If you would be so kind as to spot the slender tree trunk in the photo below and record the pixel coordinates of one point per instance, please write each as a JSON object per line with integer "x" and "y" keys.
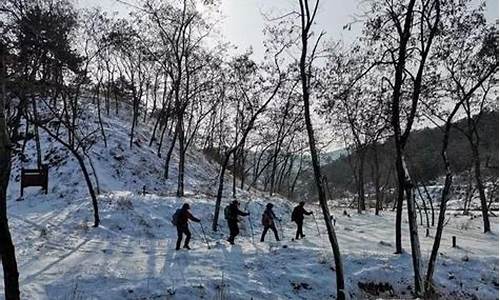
{"x": 243, "y": 170}
{"x": 429, "y": 288}
{"x": 468, "y": 194}
{"x": 299, "y": 171}
{"x": 419, "y": 210}
{"x": 361, "y": 180}
{"x": 412, "y": 222}
{"x": 108, "y": 88}
{"x": 376, "y": 179}
{"x": 431, "y": 204}
{"x": 399, "y": 216}
{"x": 162, "y": 113}
{"x": 307, "y": 21}
{"x": 165, "y": 125}
{"x": 424, "y": 205}
{"x": 83, "y": 168}
{"x": 103, "y": 133}
{"x": 220, "y": 190}
{"x": 169, "y": 153}
{"x": 480, "y": 187}
{"x": 180, "y": 177}
{"x": 134, "y": 118}
{"x": 235, "y": 171}
{"x": 90, "y": 187}
{"x": 37, "y": 135}
{"x": 7, "y": 250}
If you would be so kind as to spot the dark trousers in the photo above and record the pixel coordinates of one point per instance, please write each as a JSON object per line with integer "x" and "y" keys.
{"x": 183, "y": 229}
{"x": 299, "y": 233}
{"x": 266, "y": 228}
{"x": 233, "y": 230}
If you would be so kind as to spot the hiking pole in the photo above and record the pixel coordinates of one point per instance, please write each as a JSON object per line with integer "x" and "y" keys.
{"x": 317, "y": 226}
{"x": 204, "y": 235}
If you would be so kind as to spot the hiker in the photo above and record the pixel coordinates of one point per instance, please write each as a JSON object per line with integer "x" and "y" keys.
{"x": 180, "y": 220}
{"x": 231, "y": 213}
{"x": 268, "y": 218}
{"x": 298, "y": 217}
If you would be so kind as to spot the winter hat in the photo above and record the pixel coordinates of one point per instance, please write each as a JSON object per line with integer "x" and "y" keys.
{"x": 269, "y": 205}
{"x": 186, "y": 206}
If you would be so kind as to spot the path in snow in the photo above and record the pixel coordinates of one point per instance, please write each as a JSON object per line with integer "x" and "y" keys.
{"x": 131, "y": 255}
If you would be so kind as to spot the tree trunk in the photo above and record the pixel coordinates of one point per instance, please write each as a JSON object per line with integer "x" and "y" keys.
{"x": 419, "y": 210}
{"x": 361, "y": 180}
{"x": 220, "y": 189}
{"x": 429, "y": 290}
{"x": 7, "y": 250}
{"x": 90, "y": 187}
{"x": 412, "y": 222}
{"x": 235, "y": 171}
{"x": 169, "y": 153}
{"x": 468, "y": 194}
{"x": 180, "y": 177}
{"x": 480, "y": 187}
{"x": 399, "y": 216}
{"x": 103, "y": 133}
{"x": 376, "y": 179}
{"x": 37, "y": 135}
{"x": 134, "y": 117}
{"x": 162, "y": 113}
{"x": 424, "y": 205}
{"x": 306, "y": 86}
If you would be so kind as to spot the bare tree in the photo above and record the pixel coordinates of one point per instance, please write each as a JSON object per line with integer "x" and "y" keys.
{"x": 469, "y": 55}
{"x": 7, "y": 250}
{"x": 307, "y": 16}
{"x": 247, "y": 85}
{"x": 405, "y": 32}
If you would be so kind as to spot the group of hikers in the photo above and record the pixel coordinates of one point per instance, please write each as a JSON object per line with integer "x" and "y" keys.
{"x": 232, "y": 213}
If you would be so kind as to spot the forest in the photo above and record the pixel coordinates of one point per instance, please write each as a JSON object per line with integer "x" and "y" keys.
{"x": 122, "y": 133}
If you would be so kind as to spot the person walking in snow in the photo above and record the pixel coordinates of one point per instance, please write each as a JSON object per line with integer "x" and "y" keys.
{"x": 268, "y": 218}
{"x": 298, "y": 217}
{"x": 231, "y": 213}
{"x": 180, "y": 220}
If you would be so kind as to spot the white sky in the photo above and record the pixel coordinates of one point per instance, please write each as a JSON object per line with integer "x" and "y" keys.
{"x": 243, "y": 21}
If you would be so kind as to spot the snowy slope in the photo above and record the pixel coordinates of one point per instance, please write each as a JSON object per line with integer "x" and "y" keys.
{"x": 118, "y": 167}
{"x": 131, "y": 256}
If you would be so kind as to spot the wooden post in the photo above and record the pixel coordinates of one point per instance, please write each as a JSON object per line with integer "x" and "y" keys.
{"x": 454, "y": 241}
{"x": 427, "y": 232}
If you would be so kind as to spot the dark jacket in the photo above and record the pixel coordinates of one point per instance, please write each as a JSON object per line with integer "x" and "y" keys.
{"x": 184, "y": 216}
{"x": 298, "y": 213}
{"x": 268, "y": 217}
{"x": 235, "y": 212}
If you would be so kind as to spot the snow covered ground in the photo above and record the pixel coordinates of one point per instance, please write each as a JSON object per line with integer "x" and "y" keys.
{"x": 131, "y": 255}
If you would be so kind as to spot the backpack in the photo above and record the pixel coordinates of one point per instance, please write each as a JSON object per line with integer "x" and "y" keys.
{"x": 266, "y": 219}
{"x": 227, "y": 213}
{"x": 175, "y": 217}
{"x": 295, "y": 213}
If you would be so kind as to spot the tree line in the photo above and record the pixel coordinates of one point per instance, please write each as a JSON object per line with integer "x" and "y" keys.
{"x": 165, "y": 66}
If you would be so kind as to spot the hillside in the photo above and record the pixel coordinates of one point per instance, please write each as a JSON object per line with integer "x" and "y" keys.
{"x": 131, "y": 254}
{"x": 423, "y": 155}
